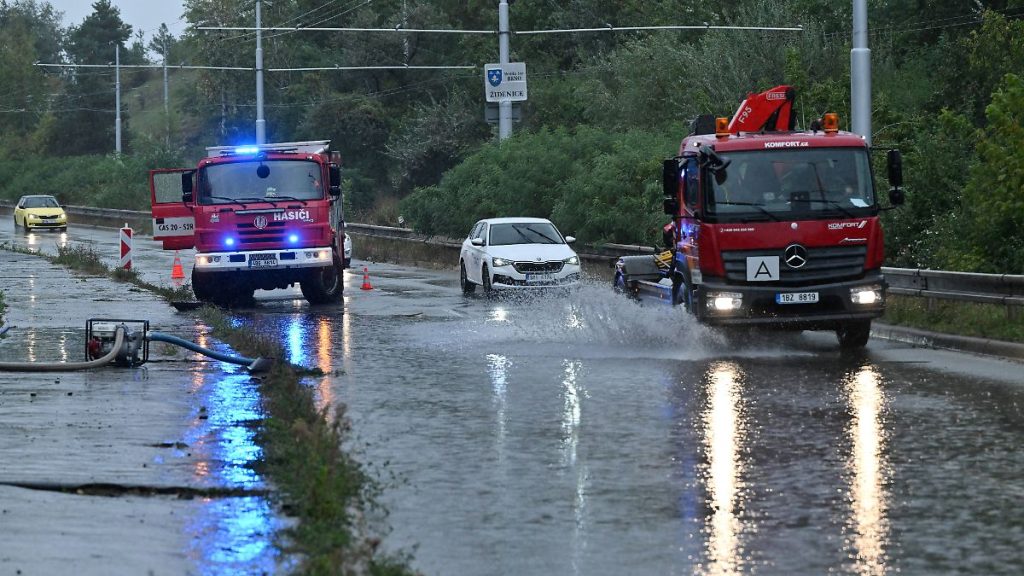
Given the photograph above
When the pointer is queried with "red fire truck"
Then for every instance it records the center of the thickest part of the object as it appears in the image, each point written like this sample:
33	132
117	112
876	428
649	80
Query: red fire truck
771	226
259	217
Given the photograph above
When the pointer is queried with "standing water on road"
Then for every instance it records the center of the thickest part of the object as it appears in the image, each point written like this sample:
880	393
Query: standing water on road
586	434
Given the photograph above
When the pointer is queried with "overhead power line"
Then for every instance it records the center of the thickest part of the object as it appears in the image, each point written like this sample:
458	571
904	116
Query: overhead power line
400	30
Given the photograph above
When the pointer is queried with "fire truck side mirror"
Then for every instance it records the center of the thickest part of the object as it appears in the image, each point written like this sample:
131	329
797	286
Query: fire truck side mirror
670	206
894	161
186	186
670	177
335	175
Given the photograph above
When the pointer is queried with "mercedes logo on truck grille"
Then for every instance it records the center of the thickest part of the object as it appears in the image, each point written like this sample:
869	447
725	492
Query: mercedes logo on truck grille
260	222
795	255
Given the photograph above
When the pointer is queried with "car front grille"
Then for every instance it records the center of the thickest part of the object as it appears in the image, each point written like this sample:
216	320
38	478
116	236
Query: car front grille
538	267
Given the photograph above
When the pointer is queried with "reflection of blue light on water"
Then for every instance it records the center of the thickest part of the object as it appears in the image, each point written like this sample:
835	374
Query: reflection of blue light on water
239	538
296	341
230	535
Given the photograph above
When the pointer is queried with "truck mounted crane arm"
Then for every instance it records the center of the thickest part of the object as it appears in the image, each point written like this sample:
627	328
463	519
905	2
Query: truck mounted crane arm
771	110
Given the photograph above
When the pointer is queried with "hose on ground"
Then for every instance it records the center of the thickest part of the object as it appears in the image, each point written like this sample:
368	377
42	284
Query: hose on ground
253	364
4	328
68	366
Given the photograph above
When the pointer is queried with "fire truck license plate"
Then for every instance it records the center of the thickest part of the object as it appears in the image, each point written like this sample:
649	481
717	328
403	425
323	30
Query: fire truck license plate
796	298
262	260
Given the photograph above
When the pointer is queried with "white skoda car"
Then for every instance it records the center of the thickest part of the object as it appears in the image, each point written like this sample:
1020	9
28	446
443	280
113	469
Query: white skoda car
517	253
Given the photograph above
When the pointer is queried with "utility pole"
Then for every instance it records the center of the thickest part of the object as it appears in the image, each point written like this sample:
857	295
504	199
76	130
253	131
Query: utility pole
117	97
860	73
504	106
167	106
261	124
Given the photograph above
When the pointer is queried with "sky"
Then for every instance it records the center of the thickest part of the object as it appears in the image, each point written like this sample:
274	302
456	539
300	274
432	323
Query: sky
145	15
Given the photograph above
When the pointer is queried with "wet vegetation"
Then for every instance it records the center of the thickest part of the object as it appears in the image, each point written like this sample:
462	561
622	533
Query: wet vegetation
992	321
319	484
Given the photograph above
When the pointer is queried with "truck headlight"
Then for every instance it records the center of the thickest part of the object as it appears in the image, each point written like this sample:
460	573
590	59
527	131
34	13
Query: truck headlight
573	260
499	262
725	301
866	295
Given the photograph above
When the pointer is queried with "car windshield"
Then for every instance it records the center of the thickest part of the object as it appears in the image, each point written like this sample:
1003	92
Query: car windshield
771	185
41	202
287	180
524	233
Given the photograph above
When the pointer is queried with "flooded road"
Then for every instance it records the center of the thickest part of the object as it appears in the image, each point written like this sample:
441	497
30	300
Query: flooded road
589	435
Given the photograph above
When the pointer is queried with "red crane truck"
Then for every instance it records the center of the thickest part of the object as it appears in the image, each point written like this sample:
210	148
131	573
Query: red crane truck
259	217
771	226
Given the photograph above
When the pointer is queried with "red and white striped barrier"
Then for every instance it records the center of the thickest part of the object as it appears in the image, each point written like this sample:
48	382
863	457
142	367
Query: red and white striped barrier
126	247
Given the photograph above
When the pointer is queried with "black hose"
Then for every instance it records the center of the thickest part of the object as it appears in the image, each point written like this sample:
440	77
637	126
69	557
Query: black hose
253	364
119	336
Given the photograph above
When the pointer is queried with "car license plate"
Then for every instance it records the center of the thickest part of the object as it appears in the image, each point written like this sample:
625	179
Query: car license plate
262	260
539	277
796	298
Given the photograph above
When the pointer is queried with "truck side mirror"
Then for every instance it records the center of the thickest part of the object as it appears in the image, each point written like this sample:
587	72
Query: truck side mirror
335	175
894	161
186	186
670	206
670	177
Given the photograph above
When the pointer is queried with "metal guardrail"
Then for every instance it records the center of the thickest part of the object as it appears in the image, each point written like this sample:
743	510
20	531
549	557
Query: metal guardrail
999	289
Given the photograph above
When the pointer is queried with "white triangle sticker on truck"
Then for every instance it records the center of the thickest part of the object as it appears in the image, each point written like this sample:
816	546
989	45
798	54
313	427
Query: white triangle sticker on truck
762	268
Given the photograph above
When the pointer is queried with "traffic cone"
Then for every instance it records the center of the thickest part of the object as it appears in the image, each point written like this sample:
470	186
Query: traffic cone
177	273
366	280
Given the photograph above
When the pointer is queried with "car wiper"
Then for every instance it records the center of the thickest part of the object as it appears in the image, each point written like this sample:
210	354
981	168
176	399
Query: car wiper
755	205
228	199
254	199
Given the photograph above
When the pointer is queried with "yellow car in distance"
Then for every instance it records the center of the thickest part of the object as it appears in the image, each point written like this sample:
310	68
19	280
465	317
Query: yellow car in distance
40	211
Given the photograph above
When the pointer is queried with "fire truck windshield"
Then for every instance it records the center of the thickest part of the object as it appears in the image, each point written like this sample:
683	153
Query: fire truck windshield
775	184
238	181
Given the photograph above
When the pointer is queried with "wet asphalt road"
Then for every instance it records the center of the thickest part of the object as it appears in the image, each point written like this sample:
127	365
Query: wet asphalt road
590	435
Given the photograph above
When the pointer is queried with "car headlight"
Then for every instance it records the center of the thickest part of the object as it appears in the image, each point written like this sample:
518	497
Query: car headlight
574	260
499	262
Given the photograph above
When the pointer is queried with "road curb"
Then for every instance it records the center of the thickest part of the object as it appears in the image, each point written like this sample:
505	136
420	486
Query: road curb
928	339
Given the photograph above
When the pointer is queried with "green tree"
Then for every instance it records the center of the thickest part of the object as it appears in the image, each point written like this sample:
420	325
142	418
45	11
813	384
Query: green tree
994	196
85	118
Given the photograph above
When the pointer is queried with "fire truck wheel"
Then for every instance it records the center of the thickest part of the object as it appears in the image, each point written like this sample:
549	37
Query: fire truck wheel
203	286
467	286
681	293
854	334
324	285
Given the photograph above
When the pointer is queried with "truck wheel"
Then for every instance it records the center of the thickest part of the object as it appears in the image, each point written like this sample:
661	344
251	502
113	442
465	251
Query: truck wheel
619	283
324	285
467	286
203	286
681	293
854	334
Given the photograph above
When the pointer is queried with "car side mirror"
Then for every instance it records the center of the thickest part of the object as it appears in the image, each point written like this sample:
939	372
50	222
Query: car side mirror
477	241
570	239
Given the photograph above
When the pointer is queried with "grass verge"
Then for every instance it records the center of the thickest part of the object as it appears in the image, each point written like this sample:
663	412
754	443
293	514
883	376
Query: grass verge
317	482
963	318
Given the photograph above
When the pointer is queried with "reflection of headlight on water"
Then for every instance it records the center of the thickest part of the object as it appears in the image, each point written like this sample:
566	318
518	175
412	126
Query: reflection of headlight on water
499	315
